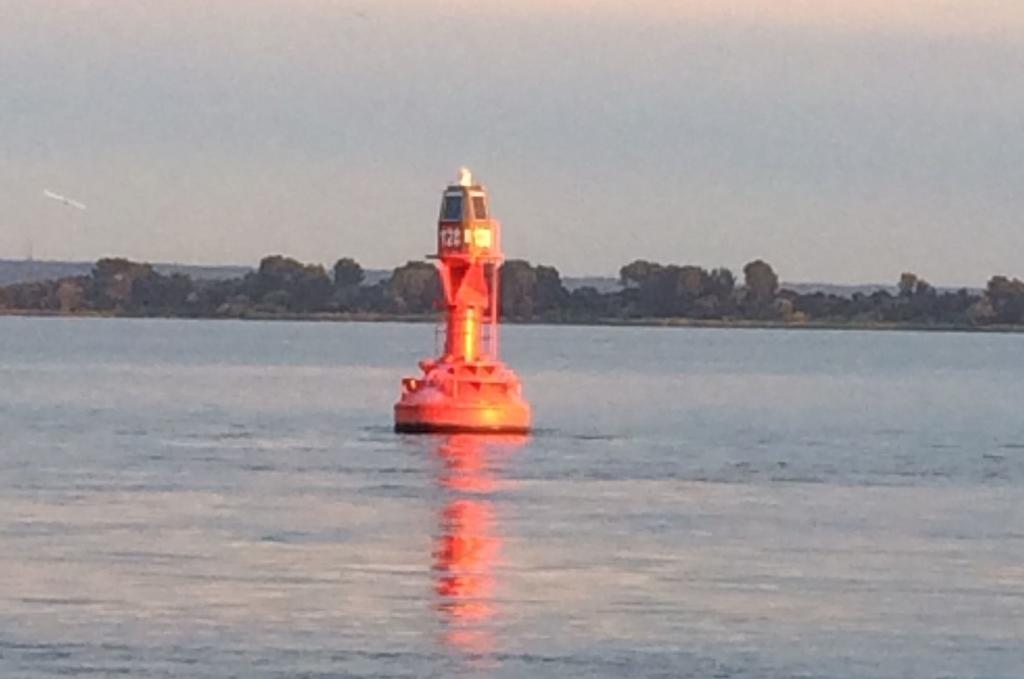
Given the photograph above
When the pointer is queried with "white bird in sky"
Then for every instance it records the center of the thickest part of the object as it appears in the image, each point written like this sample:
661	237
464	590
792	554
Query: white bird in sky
63	199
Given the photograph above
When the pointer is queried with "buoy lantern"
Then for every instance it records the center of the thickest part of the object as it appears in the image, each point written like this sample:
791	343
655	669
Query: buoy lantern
467	389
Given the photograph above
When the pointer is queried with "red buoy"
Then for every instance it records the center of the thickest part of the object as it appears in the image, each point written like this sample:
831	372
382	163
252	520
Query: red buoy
466	389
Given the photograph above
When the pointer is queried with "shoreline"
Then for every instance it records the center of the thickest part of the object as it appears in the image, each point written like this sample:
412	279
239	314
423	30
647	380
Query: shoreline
368	317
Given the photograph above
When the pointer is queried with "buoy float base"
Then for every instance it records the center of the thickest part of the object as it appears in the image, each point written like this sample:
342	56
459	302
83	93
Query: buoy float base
414	427
456	397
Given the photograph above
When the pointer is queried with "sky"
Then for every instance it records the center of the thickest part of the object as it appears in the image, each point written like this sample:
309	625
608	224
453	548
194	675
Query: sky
843	141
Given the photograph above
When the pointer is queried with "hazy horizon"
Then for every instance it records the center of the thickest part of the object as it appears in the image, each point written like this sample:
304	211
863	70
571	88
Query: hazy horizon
842	142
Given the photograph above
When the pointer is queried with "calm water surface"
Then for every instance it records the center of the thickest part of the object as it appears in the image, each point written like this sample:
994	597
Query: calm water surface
220	499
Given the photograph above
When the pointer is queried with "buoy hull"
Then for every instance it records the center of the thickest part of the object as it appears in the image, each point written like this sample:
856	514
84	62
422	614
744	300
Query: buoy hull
483	397
507	418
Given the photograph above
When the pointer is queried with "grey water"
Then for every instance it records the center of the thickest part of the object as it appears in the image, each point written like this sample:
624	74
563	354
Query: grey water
226	499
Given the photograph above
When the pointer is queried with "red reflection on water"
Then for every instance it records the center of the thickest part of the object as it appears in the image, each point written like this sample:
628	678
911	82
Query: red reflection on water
468	546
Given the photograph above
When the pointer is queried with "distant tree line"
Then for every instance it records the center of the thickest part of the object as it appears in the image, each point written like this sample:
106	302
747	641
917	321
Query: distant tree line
282	286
